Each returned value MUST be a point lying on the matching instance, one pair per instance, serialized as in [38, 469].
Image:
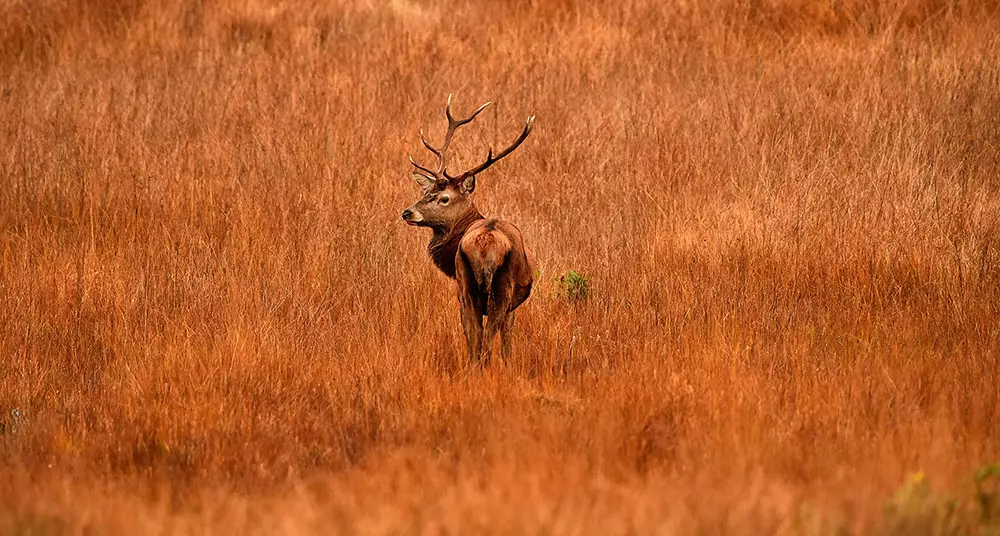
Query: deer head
[446, 197]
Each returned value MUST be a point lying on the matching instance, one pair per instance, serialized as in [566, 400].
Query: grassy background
[213, 320]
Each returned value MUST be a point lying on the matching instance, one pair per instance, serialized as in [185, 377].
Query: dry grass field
[213, 320]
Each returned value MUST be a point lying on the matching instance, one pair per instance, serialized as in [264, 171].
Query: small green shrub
[572, 286]
[987, 480]
[916, 509]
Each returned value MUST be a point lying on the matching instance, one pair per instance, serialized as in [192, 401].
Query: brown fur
[445, 241]
[486, 257]
[495, 274]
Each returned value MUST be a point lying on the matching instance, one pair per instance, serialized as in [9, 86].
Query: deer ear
[468, 185]
[424, 181]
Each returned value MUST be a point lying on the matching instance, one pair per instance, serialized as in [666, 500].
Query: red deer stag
[485, 256]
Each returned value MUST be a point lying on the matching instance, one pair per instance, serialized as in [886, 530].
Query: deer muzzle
[412, 217]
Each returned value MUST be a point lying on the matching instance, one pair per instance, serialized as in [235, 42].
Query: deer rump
[493, 268]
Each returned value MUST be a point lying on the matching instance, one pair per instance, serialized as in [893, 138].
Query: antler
[490, 159]
[441, 174]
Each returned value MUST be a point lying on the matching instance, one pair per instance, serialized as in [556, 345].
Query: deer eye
[443, 200]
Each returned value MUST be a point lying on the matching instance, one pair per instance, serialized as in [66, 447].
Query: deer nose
[407, 214]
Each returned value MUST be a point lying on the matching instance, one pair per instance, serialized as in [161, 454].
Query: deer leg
[493, 323]
[472, 324]
[505, 336]
[472, 320]
[498, 317]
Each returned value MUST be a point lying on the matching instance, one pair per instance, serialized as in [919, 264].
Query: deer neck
[444, 243]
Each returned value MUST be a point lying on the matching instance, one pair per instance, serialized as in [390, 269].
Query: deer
[486, 257]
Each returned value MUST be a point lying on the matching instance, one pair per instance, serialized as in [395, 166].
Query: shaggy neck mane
[444, 243]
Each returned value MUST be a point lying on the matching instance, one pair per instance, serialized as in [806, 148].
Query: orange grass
[212, 319]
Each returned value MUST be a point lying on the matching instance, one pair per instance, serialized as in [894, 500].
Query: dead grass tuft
[212, 319]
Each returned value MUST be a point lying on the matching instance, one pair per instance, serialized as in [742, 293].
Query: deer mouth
[412, 217]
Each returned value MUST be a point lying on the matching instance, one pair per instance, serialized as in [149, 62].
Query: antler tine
[428, 144]
[431, 173]
[441, 174]
[490, 159]
[453, 125]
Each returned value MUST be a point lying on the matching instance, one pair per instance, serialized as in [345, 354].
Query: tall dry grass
[213, 320]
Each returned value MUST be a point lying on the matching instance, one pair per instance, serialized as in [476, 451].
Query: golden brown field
[213, 320]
